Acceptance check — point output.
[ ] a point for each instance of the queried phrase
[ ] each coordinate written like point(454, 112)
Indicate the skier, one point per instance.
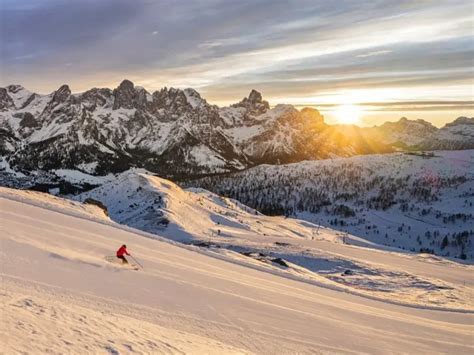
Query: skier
point(121, 252)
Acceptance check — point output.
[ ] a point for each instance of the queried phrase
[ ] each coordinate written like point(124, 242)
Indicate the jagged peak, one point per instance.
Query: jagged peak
point(64, 89)
point(254, 102)
point(191, 91)
point(165, 91)
point(14, 88)
point(194, 98)
point(62, 93)
point(125, 96)
point(96, 90)
point(126, 85)
point(255, 96)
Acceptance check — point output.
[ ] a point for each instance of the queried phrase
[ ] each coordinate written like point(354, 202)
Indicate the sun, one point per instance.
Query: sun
point(348, 114)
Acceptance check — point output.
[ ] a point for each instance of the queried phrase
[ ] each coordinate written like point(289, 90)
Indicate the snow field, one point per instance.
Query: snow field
point(59, 294)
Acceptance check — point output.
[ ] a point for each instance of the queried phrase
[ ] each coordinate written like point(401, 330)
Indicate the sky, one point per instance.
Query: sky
point(371, 60)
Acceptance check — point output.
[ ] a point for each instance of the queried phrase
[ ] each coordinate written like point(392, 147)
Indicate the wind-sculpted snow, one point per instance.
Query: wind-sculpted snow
point(178, 134)
point(415, 202)
point(59, 295)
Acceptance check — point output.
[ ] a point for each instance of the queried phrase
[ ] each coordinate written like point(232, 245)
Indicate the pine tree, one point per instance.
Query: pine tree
point(445, 242)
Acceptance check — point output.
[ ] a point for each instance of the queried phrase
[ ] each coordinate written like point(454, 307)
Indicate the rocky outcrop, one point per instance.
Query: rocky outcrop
point(6, 101)
point(61, 95)
point(254, 104)
point(125, 96)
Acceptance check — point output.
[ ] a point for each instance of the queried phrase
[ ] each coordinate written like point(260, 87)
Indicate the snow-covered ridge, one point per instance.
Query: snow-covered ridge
point(177, 133)
point(147, 202)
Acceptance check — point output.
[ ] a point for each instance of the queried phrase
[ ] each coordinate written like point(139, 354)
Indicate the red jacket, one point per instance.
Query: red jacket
point(122, 251)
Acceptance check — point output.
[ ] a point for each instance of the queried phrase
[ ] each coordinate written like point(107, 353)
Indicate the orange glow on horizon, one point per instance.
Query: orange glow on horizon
point(348, 114)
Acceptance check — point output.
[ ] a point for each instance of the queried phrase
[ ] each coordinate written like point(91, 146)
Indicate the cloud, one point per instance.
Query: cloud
point(292, 50)
point(404, 106)
point(371, 54)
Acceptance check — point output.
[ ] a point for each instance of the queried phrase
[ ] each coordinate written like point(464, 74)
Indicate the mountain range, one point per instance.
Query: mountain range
point(177, 133)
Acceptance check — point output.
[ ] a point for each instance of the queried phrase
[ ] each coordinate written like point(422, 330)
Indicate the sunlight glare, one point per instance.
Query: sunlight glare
point(348, 114)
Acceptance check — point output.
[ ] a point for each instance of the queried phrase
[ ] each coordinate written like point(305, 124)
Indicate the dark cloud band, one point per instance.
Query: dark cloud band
point(295, 49)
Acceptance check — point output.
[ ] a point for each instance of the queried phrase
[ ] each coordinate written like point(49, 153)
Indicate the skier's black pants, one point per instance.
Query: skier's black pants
point(121, 257)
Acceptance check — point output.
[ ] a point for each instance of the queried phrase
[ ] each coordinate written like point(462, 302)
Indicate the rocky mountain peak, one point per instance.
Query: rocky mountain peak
point(254, 103)
point(126, 85)
point(14, 88)
point(255, 96)
point(96, 97)
point(170, 99)
point(62, 94)
point(193, 98)
point(176, 132)
point(125, 95)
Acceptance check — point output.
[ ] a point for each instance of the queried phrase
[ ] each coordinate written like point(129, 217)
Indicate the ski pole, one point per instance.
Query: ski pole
point(136, 261)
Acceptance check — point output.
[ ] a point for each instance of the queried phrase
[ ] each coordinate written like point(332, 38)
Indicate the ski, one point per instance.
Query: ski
point(114, 260)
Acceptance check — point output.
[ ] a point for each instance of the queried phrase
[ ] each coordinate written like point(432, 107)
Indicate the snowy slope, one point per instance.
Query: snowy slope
point(286, 246)
point(59, 295)
point(141, 200)
point(408, 201)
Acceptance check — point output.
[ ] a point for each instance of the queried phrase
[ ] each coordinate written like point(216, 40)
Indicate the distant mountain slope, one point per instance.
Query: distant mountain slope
point(455, 135)
point(410, 201)
point(404, 133)
point(176, 133)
